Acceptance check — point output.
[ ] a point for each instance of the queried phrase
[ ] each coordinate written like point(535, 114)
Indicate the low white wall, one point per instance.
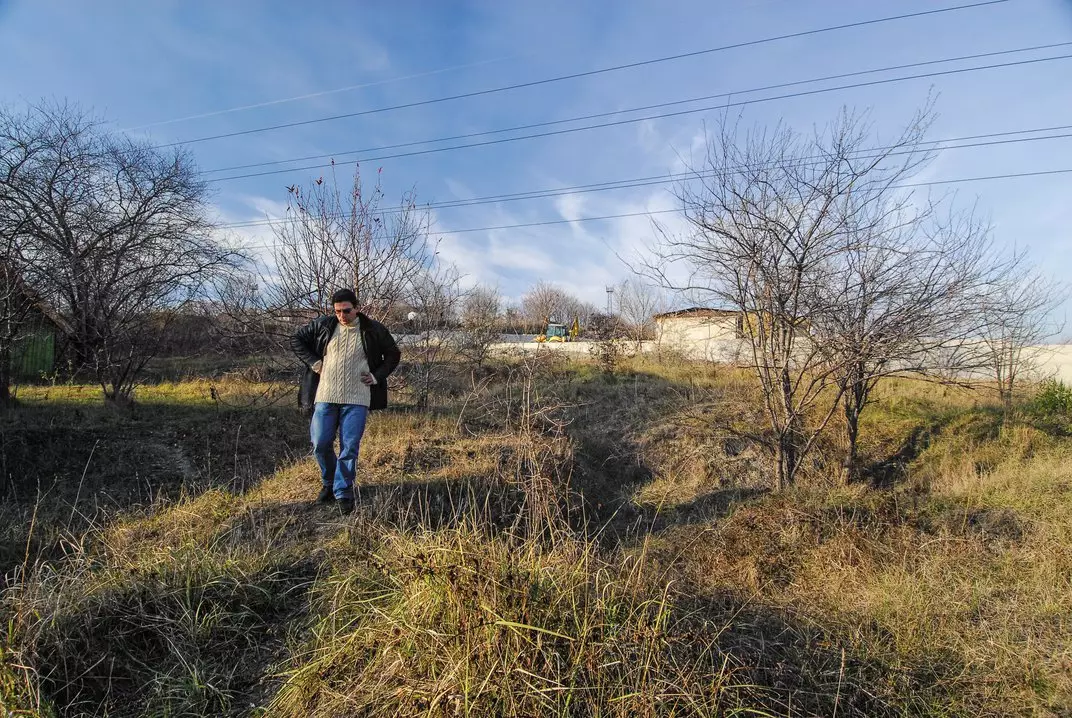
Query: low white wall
point(578, 347)
point(1054, 361)
point(561, 347)
point(1051, 361)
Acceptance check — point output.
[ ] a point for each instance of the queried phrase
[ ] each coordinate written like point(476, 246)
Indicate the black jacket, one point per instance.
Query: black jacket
point(311, 342)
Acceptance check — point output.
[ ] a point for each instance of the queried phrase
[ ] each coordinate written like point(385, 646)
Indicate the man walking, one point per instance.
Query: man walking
point(348, 358)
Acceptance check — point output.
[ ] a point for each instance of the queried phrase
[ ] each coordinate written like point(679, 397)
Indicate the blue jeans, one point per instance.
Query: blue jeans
point(349, 421)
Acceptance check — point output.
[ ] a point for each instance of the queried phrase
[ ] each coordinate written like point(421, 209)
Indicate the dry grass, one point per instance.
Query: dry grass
point(460, 623)
point(614, 550)
point(957, 578)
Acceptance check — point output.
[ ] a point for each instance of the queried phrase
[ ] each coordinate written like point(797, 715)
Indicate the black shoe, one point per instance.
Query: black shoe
point(346, 506)
point(327, 496)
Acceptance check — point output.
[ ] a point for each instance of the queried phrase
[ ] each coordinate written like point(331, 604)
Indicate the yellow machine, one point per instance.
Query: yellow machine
point(556, 332)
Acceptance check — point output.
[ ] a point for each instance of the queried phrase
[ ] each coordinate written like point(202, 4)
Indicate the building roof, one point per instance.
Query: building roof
point(697, 313)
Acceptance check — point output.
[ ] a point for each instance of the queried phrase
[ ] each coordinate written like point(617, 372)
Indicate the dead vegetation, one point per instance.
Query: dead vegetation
point(554, 541)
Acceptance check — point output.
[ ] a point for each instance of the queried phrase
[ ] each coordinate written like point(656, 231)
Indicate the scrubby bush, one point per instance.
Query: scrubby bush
point(1052, 406)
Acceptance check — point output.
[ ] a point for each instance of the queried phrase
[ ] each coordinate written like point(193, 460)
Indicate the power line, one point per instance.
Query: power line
point(802, 93)
point(546, 223)
point(310, 95)
point(580, 118)
point(1011, 175)
point(587, 73)
point(653, 180)
point(663, 179)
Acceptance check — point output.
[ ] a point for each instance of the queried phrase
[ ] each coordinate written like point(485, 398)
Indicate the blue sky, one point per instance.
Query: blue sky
point(144, 65)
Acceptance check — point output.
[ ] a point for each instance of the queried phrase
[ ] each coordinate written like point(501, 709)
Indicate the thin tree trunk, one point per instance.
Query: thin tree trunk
point(855, 398)
point(783, 478)
point(787, 460)
point(5, 380)
point(789, 442)
point(850, 470)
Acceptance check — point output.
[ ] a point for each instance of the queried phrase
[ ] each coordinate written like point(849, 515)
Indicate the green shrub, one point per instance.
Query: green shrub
point(1051, 408)
point(1054, 399)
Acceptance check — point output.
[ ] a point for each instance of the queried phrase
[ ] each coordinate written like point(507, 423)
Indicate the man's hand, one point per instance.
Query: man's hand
point(317, 366)
point(367, 378)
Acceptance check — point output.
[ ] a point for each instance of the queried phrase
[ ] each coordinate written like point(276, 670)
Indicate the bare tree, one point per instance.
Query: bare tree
point(1017, 310)
point(515, 321)
point(769, 214)
point(579, 310)
point(545, 302)
point(436, 297)
point(239, 316)
point(335, 238)
point(114, 235)
point(902, 294)
point(541, 303)
point(481, 325)
point(332, 237)
point(638, 302)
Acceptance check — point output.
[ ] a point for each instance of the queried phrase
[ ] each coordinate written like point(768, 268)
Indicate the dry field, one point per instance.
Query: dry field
point(546, 539)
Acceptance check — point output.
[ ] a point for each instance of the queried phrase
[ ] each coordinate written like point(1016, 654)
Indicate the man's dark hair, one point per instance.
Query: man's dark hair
point(344, 295)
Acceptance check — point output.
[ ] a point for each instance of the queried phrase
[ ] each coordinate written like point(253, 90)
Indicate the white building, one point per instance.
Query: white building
point(698, 333)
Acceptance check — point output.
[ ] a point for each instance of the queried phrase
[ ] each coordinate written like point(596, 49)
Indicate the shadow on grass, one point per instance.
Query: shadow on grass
point(887, 472)
point(802, 669)
point(977, 426)
point(68, 465)
point(177, 642)
point(706, 508)
point(203, 639)
point(610, 466)
point(409, 506)
point(763, 657)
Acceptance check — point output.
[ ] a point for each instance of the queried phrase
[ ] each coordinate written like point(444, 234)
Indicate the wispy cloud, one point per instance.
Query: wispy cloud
point(376, 58)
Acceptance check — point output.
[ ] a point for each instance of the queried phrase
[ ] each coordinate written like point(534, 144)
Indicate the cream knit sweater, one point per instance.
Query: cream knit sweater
point(340, 372)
